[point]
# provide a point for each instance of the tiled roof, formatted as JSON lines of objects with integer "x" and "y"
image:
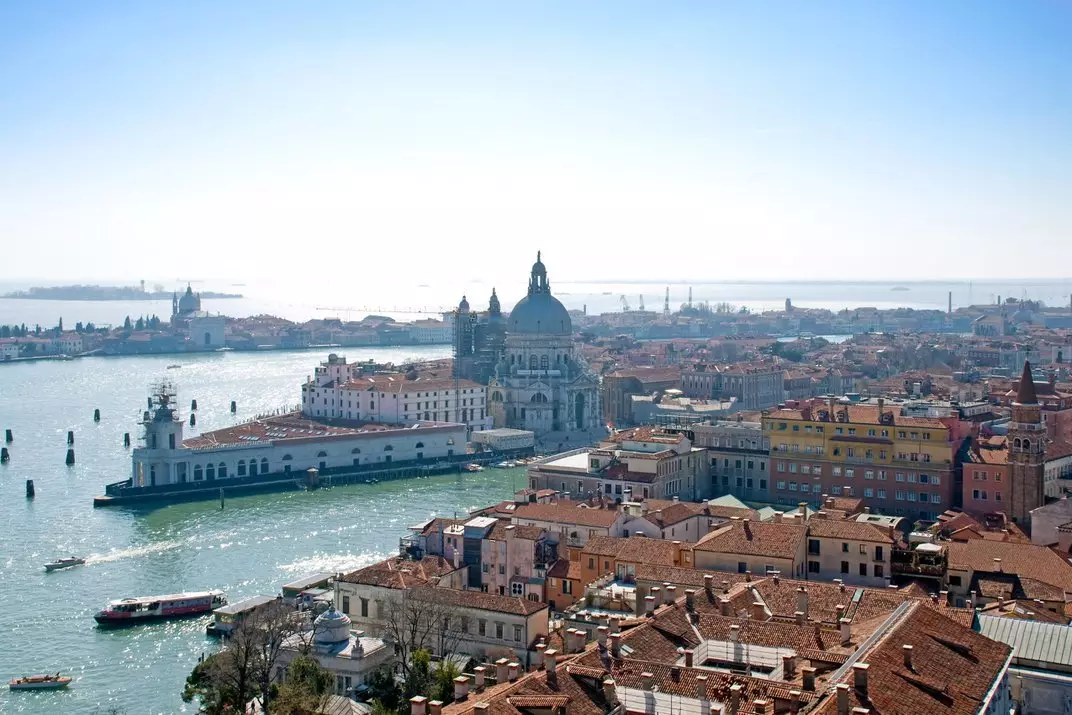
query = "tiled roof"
{"x": 848, "y": 531}
{"x": 953, "y": 669}
{"x": 397, "y": 572}
{"x": 567, "y": 512}
{"x": 516, "y": 605}
{"x": 564, "y": 568}
{"x": 1025, "y": 560}
{"x": 781, "y": 541}
{"x": 634, "y": 549}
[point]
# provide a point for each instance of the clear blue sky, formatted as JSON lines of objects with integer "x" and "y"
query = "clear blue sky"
{"x": 719, "y": 140}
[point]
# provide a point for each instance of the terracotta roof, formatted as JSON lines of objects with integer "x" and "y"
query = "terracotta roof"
{"x": 1025, "y": 560}
{"x": 635, "y": 549}
{"x": 567, "y": 512}
{"x": 953, "y": 669}
{"x": 564, "y": 568}
{"x": 292, "y": 428}
{"x": 501, "y": 530}
{"x": 755, "y": 538}
{"x": 400, "y": 573}
{"x": 516, "y": 605}
{"x": 848, "y": 531}
{"x": 1025, "y": 393}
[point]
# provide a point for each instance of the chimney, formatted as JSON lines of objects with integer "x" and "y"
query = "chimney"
{"x": 648, "y": 679}
{"x": 943, "y": 596}
{"x": 616, "y": 645}
{"x": 690, "y": 600}
{"x": 846, "y": 631}
{"x": 777, "y": 518}
{"x": 461, "y": 687}
{"x": 794, "y": 701}
{"x": 840, "y": 609}
{"x": 748, "y": 576}
{"x": 747, "y": 528}
{"x": 997, "y": 564}
{"x": 656, "y": 593}
{"x": 802, "y": 601}
{"x": 701, "y": 687}
{"x": 907, "y": 649}
{"x": 800, "y": 617}
{"x": 735, "y": 698}
{"x": 859, "y": 679}
{"x": 500, "y": 668}
{"x": 688, "y": 657}
{"x": 842, "y": 699}
{"x": 709, "y": 586}
{"x": 735, "y": 633}
{"x": 808, "y": 676}
{"x": 537, "y": 661}
{"x": 550, "y": 662}
{"x": 615, "y": 624}
{"x": 971, "y": 599}
{"x": 418, "y": 705}
{"x": 478, "y": 677}
{"x": 725, "y": 587}
{"x": 759, "y": 611}
{"x": 802, "y": 507}
{"x": 601, "y": 635}
{"x": 841, "y": 585}
{"x": 759, "y": 706}
{"x": 716, "y": 709}
{"x": 669, "y": 594}
{"x": 480, "y": 708}
{"x": 776, "y": 575}
{"x": 789, "y": 665}
{"x": 457, "y": 559}
{"x": 435, "y": 707}
{"x": 677, "y": 552}
{"x": 609, "y": 692}
{"x": 649, "y": 604}
{"x": 512, "y": 670}
{"x": 724, "y": 606}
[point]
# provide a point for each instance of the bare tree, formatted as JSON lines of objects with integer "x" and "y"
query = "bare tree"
{"x": 423, "y": 619}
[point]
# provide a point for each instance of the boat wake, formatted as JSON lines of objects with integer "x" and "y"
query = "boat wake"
{"x": 133, "y": 552}
{"x": 331, "y": 563}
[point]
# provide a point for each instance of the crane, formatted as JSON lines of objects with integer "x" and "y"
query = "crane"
{"x": 625, "y": 304}
{"x": 641, "y": 308}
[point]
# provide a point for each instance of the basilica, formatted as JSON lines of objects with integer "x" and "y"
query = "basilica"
{"x": 535, "y": 380}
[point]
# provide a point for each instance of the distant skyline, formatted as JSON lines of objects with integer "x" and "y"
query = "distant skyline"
{"x": 385, "y": 144}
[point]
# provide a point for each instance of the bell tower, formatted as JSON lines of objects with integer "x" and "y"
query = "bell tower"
{"x": 1027, "y": 448}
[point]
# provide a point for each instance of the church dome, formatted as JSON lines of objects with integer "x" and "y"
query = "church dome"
{"x": 331, "y": 626}
{"x": 189, "y": 302}
{"x": 539, "y": 312}
{"x": 463, "y": 307}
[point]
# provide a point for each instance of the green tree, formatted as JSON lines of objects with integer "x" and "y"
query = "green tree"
{"x": 384, "y": 690}
{"x": 61, "y": 324}
{"x": 443, "y": 682}
{"x": 140, "y": 325}
{"x": 306, "y": 687}
{"x": 126, "y": 323}
{"x": 418, "y": 676}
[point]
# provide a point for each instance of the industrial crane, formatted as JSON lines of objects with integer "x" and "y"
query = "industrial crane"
{"x": 625, "y": 304}
{"x": 641, "y": 308}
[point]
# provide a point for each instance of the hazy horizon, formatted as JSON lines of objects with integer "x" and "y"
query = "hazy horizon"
{"x": 384, "y": 144}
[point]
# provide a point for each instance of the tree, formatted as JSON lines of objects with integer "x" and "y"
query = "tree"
{"x": 386, "y": 695}
{"x": 226, "y": 681}
{"x": 61, "y": 324}
{"x": 126, "y": 323}
{"x": 305, "y": 689}
{"x": 140, "y": 325}
{"x": 421, "y": 619}
{"x": 443, "y": 682}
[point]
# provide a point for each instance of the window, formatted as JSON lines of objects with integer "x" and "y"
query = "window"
{"x": 813, "y": 546}
{"x": 780, "y": 485}
{"x": 869, "y": 474}
{"x": 863, "y": 549}
{"x": 499, "y": 626}
{"x": 882, "y": 475}
{"x": 900, "y": 476}
{"x": 793, "y": 468}
{"x": 742, "y": 566}
{"x": 517, "y": 633}
{"x": 482, "y": 627}
{"x": 241, "y": 467}
{"x": 954, "y": 580}
{"x": 863, "y": 569}
{"x": 850, "y": 472}
{"x": 781, "y": 466}
{"x": 836, "y": 471}
{"x": 804, "y": 487}
{"x": 813, "y": 567}
{"x": 264, "y": 465}
{"x": 844, "y": 547}
{"x": 878, "y": 553}
{"x": 345, "y": 604}
{"x": 869, "y": 492}
{"x": 844, "y": 567}
{"x": 899, "y": 496}
{"x": 805, "y": 469}
{"x": 364, "y": 608}
{"x": 835, "y": 489}
{"x": 878, "y": 571}
{"x": 792, "y": 486}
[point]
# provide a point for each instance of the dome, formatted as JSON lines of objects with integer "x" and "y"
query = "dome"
{"x": 331, "y": 626}
{"x": 540, "y": 313}
{"x": 189, "y": 302}
{"x": 464, "y": 305}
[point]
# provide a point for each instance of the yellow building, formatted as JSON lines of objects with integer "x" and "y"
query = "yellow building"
{"x": 896, "y": 464}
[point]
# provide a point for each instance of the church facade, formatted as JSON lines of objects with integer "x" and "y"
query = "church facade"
{"x": 539, "y": 383}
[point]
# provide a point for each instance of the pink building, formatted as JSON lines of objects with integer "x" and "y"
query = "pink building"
{"x": 986, "y": 476}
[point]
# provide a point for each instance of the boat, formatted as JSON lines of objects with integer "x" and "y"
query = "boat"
{"x": 900, "y": 288}
{"x": 473, "y": 467}
{"x": 128, "y": 611}
{"x": 501, "y": 465}
{"x": 173, "y": 367}
{"x": 64, "y": 563}
{"x": 40, "y": 682}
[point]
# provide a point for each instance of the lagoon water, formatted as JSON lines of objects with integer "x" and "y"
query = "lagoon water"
{"x": 252, "y": 546}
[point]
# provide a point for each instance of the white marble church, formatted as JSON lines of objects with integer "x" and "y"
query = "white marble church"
{"x": 539, "y": 383}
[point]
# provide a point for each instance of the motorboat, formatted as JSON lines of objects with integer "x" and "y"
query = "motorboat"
{"x": 473, "y": 467}
{"x": 40, "y": 682}
{"x": 64, "y": 563}
{"x": 173, "y": 367}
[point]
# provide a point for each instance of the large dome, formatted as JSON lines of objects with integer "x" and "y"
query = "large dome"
{"x": 540, "y": 313}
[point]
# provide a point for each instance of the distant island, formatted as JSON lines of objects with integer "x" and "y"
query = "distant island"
{"x": 80, "y": 292}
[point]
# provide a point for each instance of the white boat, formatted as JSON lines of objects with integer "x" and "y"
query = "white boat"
{"x": 40, "y": 682}
{"x": 473, "y": 467}
{"x": 501, "y": 465}
{"x": 127, "y": 611}
{"x": 64, "y": 563}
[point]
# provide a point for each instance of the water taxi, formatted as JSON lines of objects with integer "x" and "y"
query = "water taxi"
{"x": 40, "y": 682}
{"x": 64, "y": 563}
{"x": 473, "y": 467}
{"x": 128, "y": 611}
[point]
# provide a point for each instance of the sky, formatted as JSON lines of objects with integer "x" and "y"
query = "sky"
{"x": 359, "y": 142}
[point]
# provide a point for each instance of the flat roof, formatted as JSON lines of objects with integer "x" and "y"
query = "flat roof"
{"x": 308, "y": 582}
{"x": 573, "y": 461}
{"x": 1033, "y": 640}
{"x": 506, "y": 432}
{"x": 481, "y": 522}
{"x": 244, "y": 605}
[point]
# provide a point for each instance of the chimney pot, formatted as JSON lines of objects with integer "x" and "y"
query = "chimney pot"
{"x": 513, "y": 670}
{"x": 609, "y": 691}
{"x": 601, "y": 635}
{"x": 760, "y": 706}
{"x": 690, "y": 600}
{"x": 725, "y": 587}
{"x": 461, "y": 687}
{"x": 648, "y": 679}
{"x": 808, "y": 676}
{"x": 735, "y": 633}
{"x": 843, "y": 699}
{"x": 501, "y": 669}
{"x": 701, "y": 687}
{"x": 669, "y": 594}
{"x": 708, "y": 584}
{"x": 846, "y": 631}
{"x": 537, "y": 662}
{"x": 616, "y": 645}
{"x": 789, "y": 664}
{"x": 799, "y": 616}
{"x": 418, "y": 705}
{"x": 907, "y": 649}
{"x": 550, "y": 662}
{"x": 859, "y": 679}
{"x": 478, "y": 677}
{"x": 649, "y": 604}
{"x": 735, "y": 698}
{"x": 724, "y": 606}
{"x": 794, "y": 701}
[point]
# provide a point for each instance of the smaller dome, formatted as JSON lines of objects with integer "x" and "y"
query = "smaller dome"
{"x": 332, "y": 626}
{"x": 189, "y": 302}
{"x": 464, "y": 305}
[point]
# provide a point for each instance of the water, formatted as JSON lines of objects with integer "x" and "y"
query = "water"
{"x": 253, "y": 546}
{"x": 401, "y": 299}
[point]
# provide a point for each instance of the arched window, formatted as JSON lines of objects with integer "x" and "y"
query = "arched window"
{"x": 539, "y": 397}
{"x": 533, "y": 362}
{"x": 1016, "y": 443}
{"x": 197, "y": 473}
{"x": 221, "y": 471}
{"x": 264, "y": 465}
{"x": 287, "y": 458}
{"x": 210, "y": 471}
{"x": 496, "y": 396}
{"x": 420, "y": 445}
{"x": 545, "y": 362}
{"x": 388, "y": 448}
{"x": 1027, "y": 445}
{"x": 321, "y": 454}
{"x": 355, "y": 450}
{"x": 253, "y": 467}
{"x": 241, "y": 467}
